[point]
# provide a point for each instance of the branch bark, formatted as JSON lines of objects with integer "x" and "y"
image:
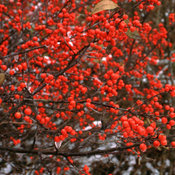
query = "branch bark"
{"x": 76, "y": 154}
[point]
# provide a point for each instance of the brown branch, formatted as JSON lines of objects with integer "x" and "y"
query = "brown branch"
{"x": 71, "y": 63}
{"x": 77, "y": 154}
{"x": 22, "y": 52}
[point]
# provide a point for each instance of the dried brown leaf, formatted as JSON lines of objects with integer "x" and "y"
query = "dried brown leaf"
{"x": 104, "y": 5}
{"x": 2, "y": 78}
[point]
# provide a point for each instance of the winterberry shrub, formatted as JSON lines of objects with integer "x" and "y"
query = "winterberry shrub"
{"x": 83, "y": 78}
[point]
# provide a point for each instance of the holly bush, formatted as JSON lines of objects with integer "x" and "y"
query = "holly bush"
{"x": 81, "y": 79}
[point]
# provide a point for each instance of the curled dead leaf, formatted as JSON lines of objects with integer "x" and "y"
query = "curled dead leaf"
{"x": 2, "y": 78}
{"x": 134, "y": 34}
{"x": 104, "y": 5}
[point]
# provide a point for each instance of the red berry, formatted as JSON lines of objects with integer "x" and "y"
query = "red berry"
{"x": 156, "y": 143}
{"x": 56, "y": 139}
{"x": 38, "y": 117}
{"x": 150, "y": 129}
{"x": 43, "y": 75}
{"x": 68, "y": 128}
{"x": 162, "y": 137}
{"x": 11, "y": 72}
{"x": 163, "y": 142}
{"x": 28, "y": 111}
{"x": 172, "y": 122}
{"x": 72, "y": 132}
{"x": 58, "y": 170}
{"x": 63, "y": 132}
{"x": 173, "y": 143}
{"x": 143, "y": 147}
{"x": 18, "y": 115}
{"x": 164, "y": 120}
